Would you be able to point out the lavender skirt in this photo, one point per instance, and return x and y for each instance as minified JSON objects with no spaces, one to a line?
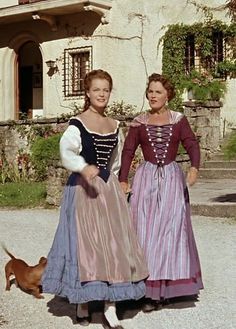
{"x":95,"y":254}
{"x":161,"y":212}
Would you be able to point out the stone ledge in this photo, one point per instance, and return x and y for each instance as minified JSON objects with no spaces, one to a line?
{"x":215,"y":209}
{"x":207,"y":104}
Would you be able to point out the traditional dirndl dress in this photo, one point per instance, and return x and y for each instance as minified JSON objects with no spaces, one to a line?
{"x":95,"y":254}
{"x":161,"y":214}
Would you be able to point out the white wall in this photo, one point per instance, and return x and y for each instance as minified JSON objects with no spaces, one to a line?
{"x":229,"y":105}
{"x":7,"y":91}
{"x":8,"y":3}
{"x":127,"y":47}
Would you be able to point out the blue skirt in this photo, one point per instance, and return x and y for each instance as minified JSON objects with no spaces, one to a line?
{"x":95,"y":254}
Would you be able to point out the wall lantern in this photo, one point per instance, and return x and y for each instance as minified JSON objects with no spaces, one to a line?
{"x":53,"y":68}
{"x":51,"y":64}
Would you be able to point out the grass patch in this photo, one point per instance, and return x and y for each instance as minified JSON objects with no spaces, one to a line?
{"x":23,"y":195}
{"x":229,"y":147}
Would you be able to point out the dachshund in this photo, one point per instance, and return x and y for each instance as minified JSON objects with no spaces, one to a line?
{"x":28,"y":278}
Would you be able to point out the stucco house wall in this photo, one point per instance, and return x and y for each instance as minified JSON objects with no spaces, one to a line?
{"x":8,"y":3}
{"x":127,"y":46}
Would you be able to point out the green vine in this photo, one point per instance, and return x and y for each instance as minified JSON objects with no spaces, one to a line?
{"x":231,"y":6}
{"x":174,"y":45}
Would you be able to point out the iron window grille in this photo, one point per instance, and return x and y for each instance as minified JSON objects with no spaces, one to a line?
{"x":77,"y":62}
{"x":194,"y":59}
{"x":189,"y":53}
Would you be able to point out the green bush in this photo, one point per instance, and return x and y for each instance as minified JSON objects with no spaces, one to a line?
{"x":227,"y":68}
{"x":45,"y":152}
{"x":117,"y":109}
{"x":203,"y":86}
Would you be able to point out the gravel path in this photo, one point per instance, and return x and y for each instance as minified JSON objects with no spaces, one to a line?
{"x":28,"y":235}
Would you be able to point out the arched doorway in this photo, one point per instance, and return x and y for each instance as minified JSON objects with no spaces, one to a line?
{"x":30,"y":82}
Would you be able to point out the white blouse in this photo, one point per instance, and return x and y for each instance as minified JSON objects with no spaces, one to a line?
{"x":71,"y":146}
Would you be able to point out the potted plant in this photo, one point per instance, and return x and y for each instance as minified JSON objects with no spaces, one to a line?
{"x":201,"y":86}
{"x":227,"y":68}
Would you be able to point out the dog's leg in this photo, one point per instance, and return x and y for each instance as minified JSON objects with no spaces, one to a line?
{"x":8,"y":273}
{"x":36,"y":293}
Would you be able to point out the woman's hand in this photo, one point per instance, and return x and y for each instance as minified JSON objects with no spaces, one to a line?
{"x":192,"y":176}
{"x":125,"y":187}
{"x":89,"y":172}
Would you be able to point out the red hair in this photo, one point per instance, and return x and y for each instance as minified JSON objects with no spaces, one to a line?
{"x":95,"y":74}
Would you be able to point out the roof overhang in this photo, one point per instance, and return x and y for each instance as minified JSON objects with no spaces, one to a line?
{"x":50,"y":9}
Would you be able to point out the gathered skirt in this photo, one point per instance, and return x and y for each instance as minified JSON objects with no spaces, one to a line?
{"x":95,"y":254}
{"x":161,"y":214}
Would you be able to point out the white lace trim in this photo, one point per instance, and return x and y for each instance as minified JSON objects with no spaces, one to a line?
{"x":175,"y":117}
{"x":95,"y":132}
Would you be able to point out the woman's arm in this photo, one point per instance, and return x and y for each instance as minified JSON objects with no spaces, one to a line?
{"x":130,"y":146}
{"x":70,"y":148}
{"x":191,"y":145}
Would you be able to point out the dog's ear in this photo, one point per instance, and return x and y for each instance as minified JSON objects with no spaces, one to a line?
{"x":43,"y":260}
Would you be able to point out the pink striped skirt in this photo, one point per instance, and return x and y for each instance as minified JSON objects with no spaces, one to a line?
{"x":161,"y":215}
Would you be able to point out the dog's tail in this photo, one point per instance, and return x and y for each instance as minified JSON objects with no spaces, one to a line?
{"x":5,"y":249}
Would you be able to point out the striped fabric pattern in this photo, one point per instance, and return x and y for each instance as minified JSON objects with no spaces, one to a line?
{"x":162,"y":222}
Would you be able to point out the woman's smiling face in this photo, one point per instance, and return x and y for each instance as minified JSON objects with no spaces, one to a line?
{"x":99,"y":93}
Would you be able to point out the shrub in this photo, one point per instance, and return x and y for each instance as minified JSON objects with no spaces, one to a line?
{"x":203,"y":86}
{"x":16,"y":170}
{"x":118,"y":109}
{"x":44,"y":153}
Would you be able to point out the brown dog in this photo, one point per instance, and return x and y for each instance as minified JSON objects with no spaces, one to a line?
{"x":28,"y":278}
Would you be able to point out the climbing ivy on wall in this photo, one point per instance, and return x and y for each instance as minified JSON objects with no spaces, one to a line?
{"x":231,"y":6}
{"x":174,"y":44}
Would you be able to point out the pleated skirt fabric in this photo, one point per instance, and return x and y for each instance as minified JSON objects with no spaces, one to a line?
{"x":161,"y":214}
{"x":95,"y":254}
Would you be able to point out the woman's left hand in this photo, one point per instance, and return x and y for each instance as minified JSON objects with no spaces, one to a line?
{"x":192,"y":176}
{"x":125,"y":187}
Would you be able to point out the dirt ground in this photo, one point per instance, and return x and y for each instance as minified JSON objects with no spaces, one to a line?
{"x":28,"y":234}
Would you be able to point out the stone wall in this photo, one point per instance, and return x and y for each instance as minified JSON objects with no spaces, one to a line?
{"x":57,"y":177}
{"x":204,"y":119}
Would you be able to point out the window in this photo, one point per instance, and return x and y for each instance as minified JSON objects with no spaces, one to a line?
{"x":189,"y":54}
{"x":77,"y":62}
{"x":218,"y":54}
{"x":195,"y":60}
{"x":219,"y":51}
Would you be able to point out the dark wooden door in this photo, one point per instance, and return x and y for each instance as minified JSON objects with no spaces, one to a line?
{"x":25,"y":90}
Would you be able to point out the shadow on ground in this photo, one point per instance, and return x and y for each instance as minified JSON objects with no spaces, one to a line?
{"x":59,"y":306}
{"x":225,"y":198}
